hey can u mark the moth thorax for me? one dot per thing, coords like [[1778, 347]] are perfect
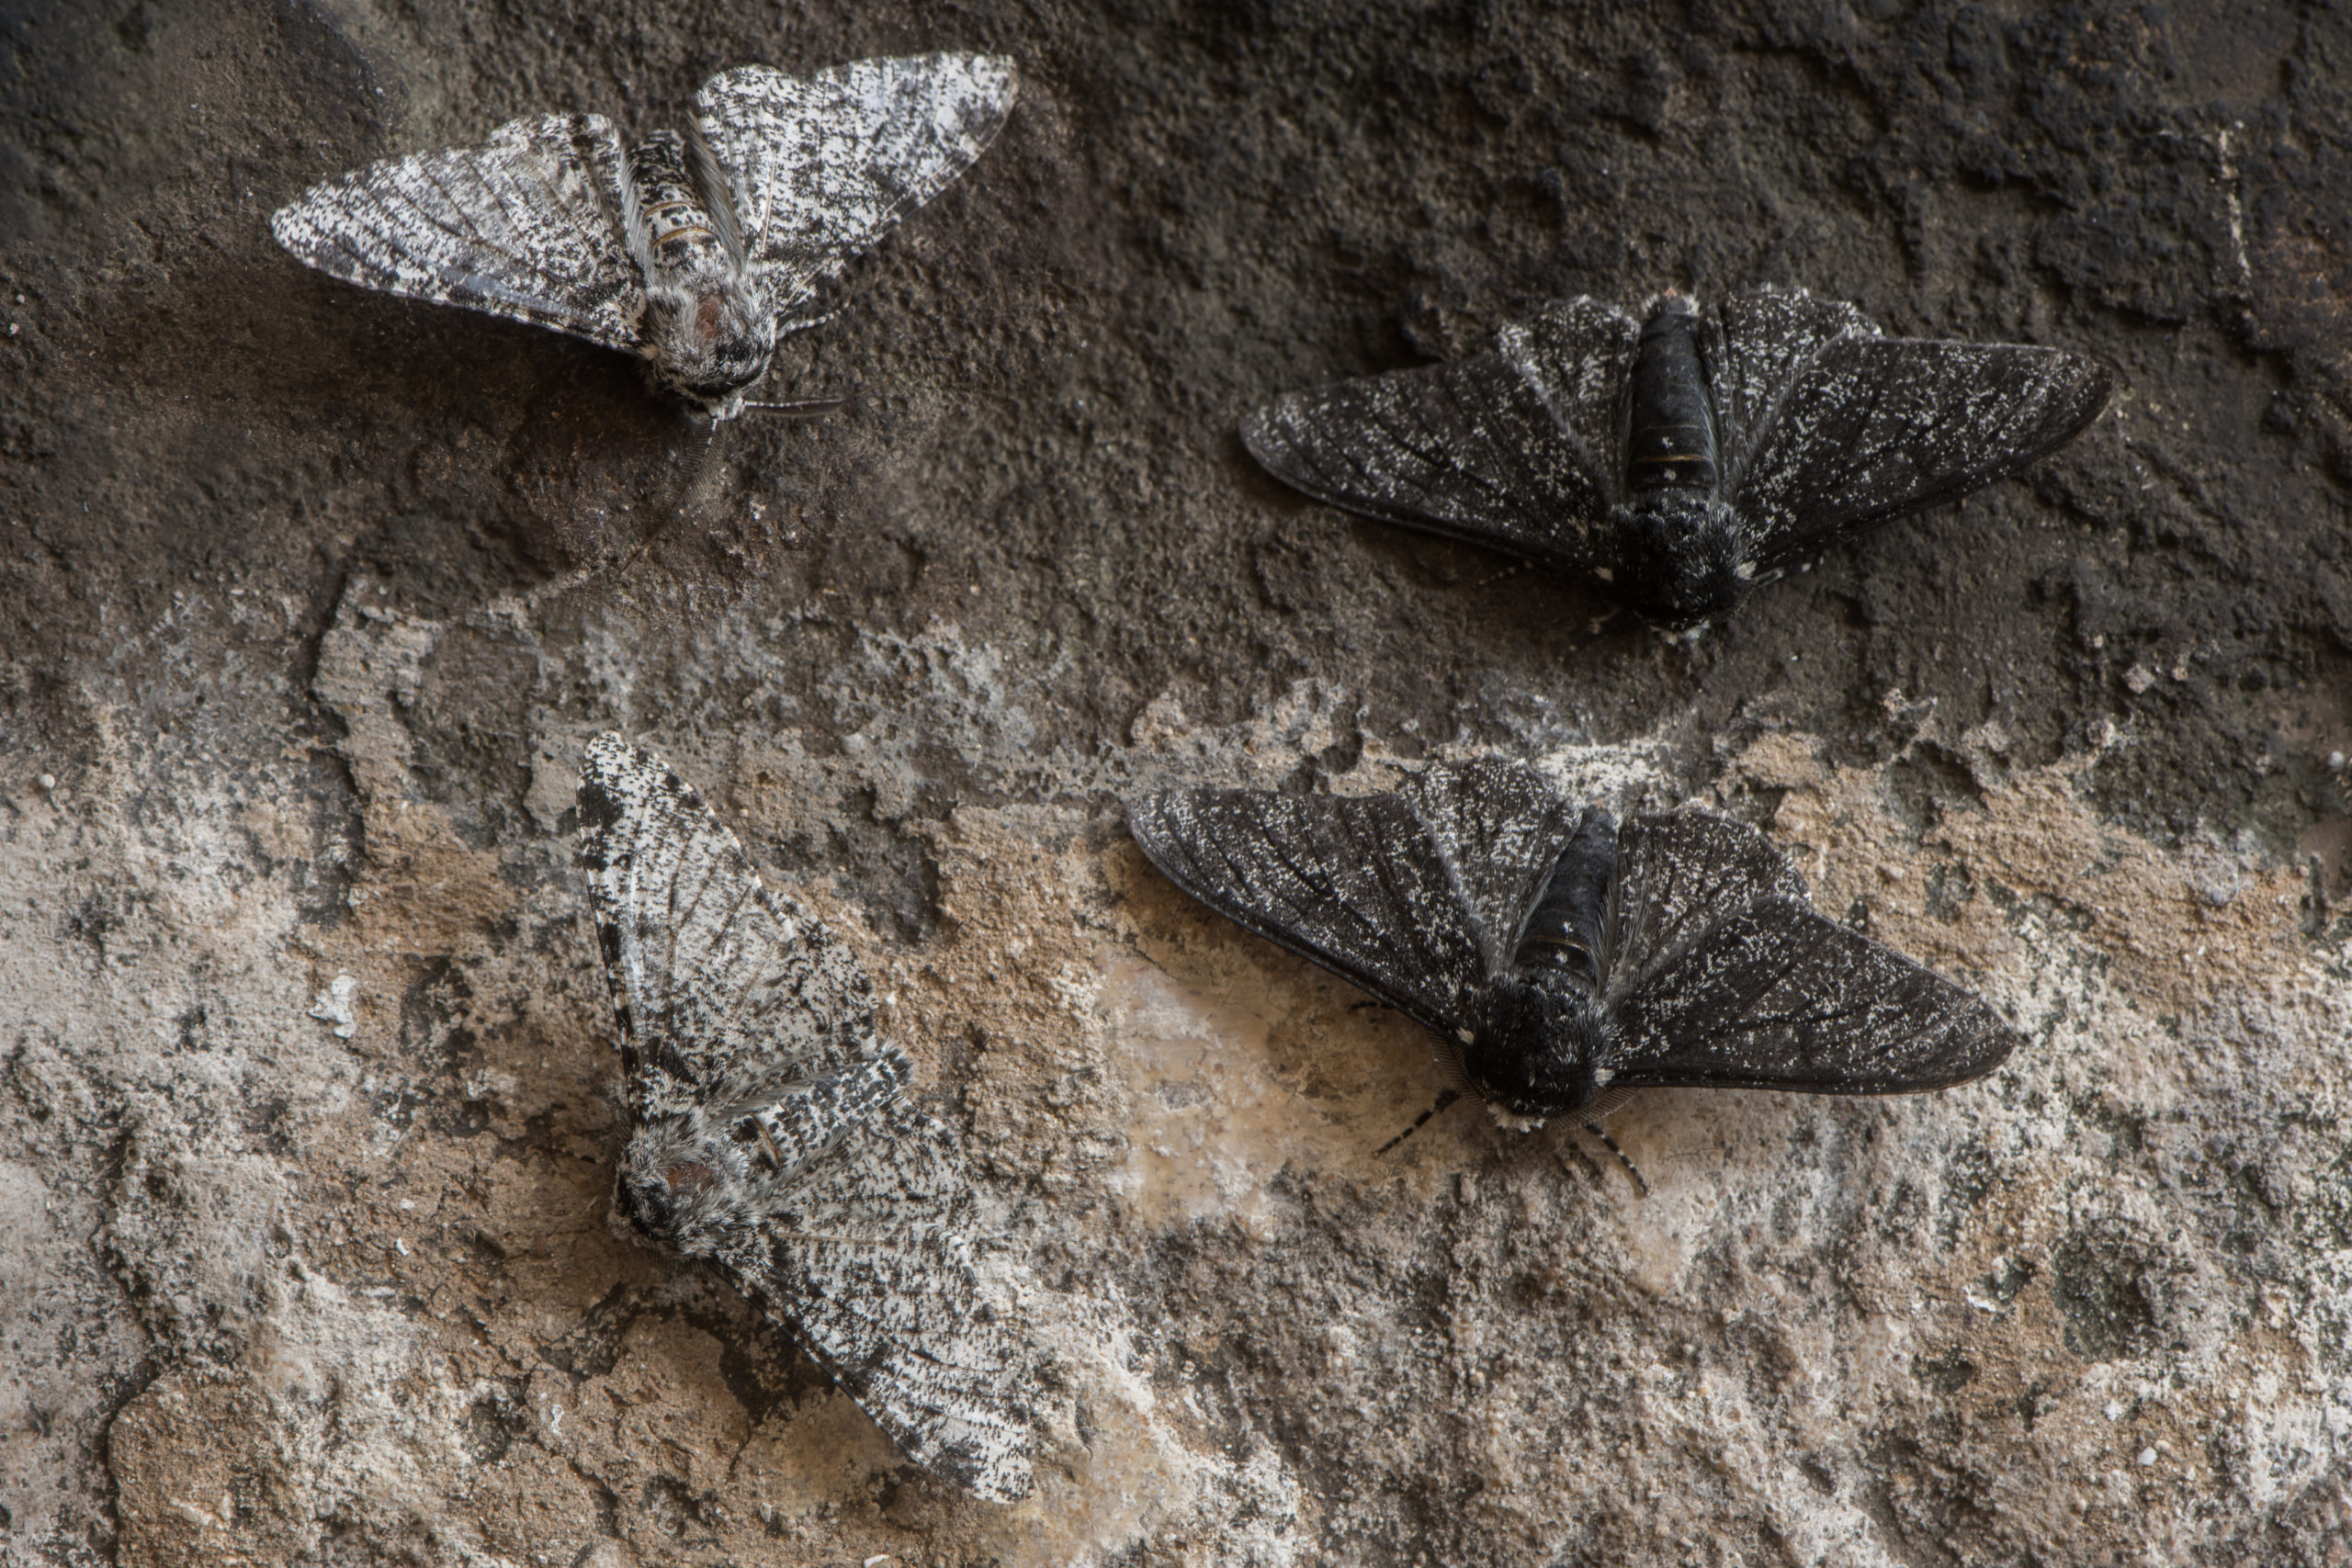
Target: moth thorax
[[1680, 554], [1670, 434], [708, 337], [1534, 1050], [678, 1189]]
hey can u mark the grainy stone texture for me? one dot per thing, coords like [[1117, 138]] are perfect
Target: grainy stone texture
[[305, 1079]]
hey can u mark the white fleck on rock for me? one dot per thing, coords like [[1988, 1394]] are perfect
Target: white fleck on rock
[[334, 1006]]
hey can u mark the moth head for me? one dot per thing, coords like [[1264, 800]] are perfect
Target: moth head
[[709, 338], [680, 1188], [1533, 1051], [1680, 557]]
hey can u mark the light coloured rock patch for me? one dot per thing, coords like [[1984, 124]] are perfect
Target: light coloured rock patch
[[337, 1285]]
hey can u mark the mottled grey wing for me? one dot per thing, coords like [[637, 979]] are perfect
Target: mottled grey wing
[[1678, 874], [1354, 885], [719, 984], [528, 226], [1500, 828], [862, 1255], [1520, 448], [1757, 346], [1877, 427], [820, 167], [1775, 996]]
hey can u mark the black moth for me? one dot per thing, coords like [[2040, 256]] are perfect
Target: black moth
[[1680, 459], [1565, 960]]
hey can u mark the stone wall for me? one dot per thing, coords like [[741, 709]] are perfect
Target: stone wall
[[309, 599]]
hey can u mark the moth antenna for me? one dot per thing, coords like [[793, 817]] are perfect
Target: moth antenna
[[1440, 1103], [1610, 1145], [800, 408]]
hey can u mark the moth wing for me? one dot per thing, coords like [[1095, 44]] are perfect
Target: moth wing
[[1354, 885], [719, 983], [1679, 872], [1873, 428], [820, 167], [1757, 346], [528, 225], [1517, 448], [862, 1255], [1776, 996], [1500, 828]]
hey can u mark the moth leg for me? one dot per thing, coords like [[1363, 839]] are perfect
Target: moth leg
[[1610, 1145], [1601, 1108], [1440, 1103]]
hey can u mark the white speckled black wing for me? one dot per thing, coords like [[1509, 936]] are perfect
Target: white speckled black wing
[[1778, 996], [1758, 347], [1519, 447], [1677, 872], [529, 225], [1871, 428], [1719, 972], [1499, 828], [821, 167], [1416, 896], [771, 1134], [1351, 883]]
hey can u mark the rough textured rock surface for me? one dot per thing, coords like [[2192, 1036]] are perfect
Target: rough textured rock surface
[[308, 598]]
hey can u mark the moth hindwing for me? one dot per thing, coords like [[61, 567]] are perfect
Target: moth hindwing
[[1559, 957], [695, 252], [772, 1135], [1679, 459]]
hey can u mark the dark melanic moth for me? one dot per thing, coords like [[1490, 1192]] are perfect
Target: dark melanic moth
[[1680, 459], [1564, 961], [771, 1134], [695, 252]]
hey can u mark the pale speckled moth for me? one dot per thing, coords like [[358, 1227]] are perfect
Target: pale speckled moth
[[695, 252], [771, 1134]]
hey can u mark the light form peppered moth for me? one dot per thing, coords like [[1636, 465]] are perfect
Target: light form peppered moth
[[1680, 459], [695, 252], [772, 1135], [1563, 961]]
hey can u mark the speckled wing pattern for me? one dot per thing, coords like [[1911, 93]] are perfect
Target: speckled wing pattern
[[1719, 972], [737, 1008], [823, 167], [1416, 896], [1872, 428], [1714, 969], [1520, 447], [1825, 427], [529, 225], [1351, 883]]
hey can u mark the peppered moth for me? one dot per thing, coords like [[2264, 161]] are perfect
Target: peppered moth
[[1563, 960], [773, 1134], [1680, 459], [695, 252]]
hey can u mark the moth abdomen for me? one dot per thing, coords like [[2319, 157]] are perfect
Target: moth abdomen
[[1670, 435], [1562, 934]]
